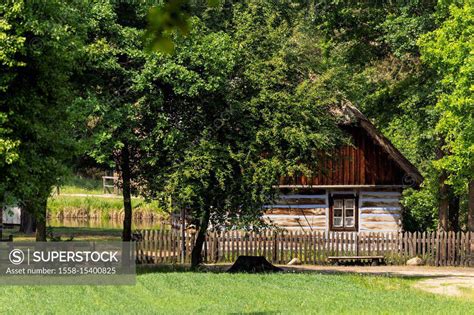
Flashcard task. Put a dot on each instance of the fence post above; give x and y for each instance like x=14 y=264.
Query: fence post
x=206 y=246
x=232 y=235
x=191 y=245
x=137 y=247
x=216 y=247
x=183 y=235
x=438 y=248
x=470 y=241
x=275 y=247
x=357 y=244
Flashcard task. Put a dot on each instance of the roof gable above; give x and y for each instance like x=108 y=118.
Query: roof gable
x=350 y=115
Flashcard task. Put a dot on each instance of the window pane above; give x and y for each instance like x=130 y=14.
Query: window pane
x=338 y=203
x=337 y=221
x=349 y=212
x=349 y=203
x=349 y=222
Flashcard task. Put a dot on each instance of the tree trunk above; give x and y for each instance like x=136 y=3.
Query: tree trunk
x=453 y=211
x=443 y=213
x=41 y=221
x=126 y=192
x=470 y=213
x=28 y=219
x=196 y=254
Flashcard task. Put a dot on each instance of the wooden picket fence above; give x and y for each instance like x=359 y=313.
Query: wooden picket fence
x=435 y=248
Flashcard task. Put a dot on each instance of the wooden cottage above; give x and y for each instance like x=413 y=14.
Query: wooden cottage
x=358 y=190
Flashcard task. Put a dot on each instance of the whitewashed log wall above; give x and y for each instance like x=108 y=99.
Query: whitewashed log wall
x=379 y=211
x=296 y=212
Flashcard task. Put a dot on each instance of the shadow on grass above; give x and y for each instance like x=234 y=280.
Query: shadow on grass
x=220 y=269
x=171 y=268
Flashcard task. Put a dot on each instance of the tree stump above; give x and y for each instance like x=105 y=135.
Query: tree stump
x=252 y=264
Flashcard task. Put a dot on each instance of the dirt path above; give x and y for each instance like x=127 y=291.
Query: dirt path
x=396 y=271
x=450 y=281
x=450 y=286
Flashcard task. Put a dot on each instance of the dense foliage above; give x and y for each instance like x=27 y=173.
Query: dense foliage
x=231 y=95
x=407 y=67
x=40 y=46
x=449 y=51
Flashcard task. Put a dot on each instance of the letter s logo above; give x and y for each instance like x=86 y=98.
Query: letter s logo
x=16 y=256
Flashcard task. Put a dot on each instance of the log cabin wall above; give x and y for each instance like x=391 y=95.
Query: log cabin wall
x=299 y=210
x=378 y=209
x=375 y=182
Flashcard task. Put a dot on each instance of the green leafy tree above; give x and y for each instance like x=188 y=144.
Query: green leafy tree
x=108 y=109
x=38 y=58
x=10 y=45
x=376 y=64
x=168 y=18
x=449 y=51
x=241 y=107
x=131 y=98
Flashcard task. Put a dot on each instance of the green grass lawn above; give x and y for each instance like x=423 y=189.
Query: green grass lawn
x=210 y=293
x=74 y=184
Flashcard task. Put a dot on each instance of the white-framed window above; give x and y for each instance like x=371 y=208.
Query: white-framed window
x=349 y=212
x=338 y=213
x=344 y=213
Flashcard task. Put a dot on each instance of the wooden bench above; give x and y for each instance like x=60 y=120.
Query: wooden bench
x=373 y=260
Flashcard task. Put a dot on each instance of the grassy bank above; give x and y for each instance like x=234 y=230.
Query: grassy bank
x=101 y=208
x=81 y=198
x=210 y=293
x=74 y=184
